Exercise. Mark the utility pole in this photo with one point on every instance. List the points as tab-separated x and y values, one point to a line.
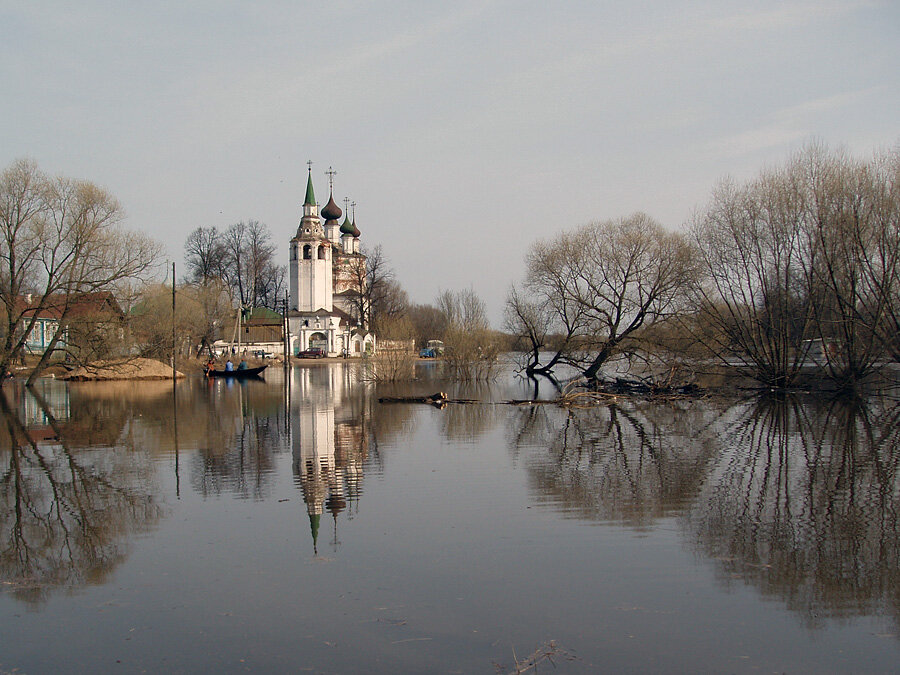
173	323
284	331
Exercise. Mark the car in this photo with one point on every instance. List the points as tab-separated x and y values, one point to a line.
312	353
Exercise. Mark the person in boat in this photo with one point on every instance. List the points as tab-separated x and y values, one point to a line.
242	365
229	366
211	364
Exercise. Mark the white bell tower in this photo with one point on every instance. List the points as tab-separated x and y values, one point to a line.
311	269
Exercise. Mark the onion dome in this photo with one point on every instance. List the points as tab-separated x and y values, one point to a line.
355	228
331	211
347	226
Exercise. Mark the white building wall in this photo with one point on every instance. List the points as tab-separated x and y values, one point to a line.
311	280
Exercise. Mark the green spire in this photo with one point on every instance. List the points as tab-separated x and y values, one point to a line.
310	195
314	528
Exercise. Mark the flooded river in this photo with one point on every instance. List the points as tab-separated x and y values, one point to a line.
296	524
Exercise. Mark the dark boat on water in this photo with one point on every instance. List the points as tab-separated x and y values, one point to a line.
242	373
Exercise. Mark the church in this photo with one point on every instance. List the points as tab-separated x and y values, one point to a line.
327	281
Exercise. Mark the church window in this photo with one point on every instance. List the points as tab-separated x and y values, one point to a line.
321	253
307	252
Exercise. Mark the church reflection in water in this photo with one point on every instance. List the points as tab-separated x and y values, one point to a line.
330	442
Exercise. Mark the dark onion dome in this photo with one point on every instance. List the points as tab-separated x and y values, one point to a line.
355	229
331	211
347	226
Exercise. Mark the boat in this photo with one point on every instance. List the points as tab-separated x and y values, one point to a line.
242	373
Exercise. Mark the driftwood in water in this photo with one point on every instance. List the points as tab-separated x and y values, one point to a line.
599	394
438	399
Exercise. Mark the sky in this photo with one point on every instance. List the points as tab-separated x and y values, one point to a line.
465	132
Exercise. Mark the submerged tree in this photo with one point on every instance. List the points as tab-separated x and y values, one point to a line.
598	287
471	348
802	264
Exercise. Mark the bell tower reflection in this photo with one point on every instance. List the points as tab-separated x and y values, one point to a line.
329	442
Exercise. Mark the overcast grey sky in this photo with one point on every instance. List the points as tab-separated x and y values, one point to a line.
463	130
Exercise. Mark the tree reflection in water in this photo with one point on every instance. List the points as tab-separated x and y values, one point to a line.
69	505
803	504
238	428
799	498
631	462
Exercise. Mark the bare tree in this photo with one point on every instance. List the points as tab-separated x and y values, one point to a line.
428	323
802	267
845	292
471	349
752	292
202	312
204	254
604	282
23	213
542	321
243	256
378	300
60	241
886	255
530	321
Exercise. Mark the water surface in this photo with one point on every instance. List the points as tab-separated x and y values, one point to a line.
296	524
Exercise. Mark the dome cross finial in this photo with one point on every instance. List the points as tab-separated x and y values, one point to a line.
310	200
331	173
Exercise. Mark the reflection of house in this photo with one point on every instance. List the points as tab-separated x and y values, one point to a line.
86	319
54	401
330	444
327	278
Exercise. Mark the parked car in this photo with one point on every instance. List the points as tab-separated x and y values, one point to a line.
427	353
312	353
